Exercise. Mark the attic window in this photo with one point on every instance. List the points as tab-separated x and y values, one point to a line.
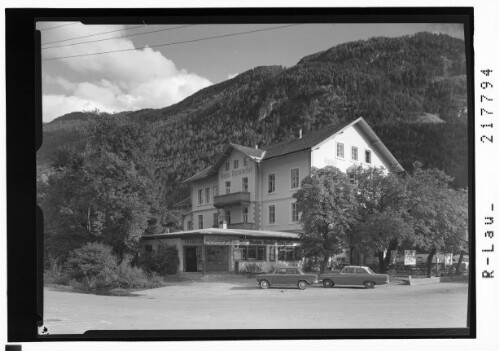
236	164
368	156
245	162
340	150
227	166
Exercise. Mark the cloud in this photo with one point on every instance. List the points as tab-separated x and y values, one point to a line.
111	82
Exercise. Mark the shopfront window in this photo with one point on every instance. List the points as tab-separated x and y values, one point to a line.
272	253
253	253
288	253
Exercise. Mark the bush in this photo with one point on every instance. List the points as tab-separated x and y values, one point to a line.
55	274
130	277
163	261
253	269
92	267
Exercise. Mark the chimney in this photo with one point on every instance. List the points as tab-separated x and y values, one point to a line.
300	134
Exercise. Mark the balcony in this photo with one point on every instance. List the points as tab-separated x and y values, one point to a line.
233	199
246	226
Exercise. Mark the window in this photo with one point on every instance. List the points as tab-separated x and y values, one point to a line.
215	220
348	270
368	156
295	178
245	184
236	164
353	177
227	166
288	253
294	212
200	221
189	225
360	271
281	271
272	253
271	214
271	185
215	191
245	215
200	196
251	252
227	217
340	150
261	253
292	271
227	187
355	153
245	161
207	195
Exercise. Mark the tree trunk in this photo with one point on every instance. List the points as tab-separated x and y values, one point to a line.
380	261
384	265
458	268
324	263
429	262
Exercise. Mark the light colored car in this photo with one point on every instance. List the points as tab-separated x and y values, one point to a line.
286	277
354	275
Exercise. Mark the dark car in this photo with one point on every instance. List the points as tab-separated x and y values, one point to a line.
354	275
290	276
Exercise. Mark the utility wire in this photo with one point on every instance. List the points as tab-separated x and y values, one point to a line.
174	43
91	35
62	25
123	36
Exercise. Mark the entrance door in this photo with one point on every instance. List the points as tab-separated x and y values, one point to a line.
191	260
217	258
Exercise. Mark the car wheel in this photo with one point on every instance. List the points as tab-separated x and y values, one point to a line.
302	284
264	284
369	285
328	283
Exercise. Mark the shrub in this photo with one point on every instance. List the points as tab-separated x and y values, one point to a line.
163	261
253	268
131	277
92	267
54	274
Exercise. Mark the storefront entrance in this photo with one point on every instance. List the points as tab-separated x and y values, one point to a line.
191	259
217	258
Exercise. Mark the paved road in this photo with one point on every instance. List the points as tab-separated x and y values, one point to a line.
241	304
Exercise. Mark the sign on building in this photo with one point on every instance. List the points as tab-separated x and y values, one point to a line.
410	257
220	240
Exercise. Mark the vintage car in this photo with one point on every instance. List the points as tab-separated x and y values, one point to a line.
289	276
354	275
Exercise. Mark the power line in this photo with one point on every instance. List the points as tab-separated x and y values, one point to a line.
123	36
62	25
174	43
91	35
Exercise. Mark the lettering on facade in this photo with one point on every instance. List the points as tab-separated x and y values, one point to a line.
236	172
220	240
192	241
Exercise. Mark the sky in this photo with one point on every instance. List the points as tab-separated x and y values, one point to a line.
146	73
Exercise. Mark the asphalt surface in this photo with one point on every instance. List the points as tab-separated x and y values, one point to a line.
240	304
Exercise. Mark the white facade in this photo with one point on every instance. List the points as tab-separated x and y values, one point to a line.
248	189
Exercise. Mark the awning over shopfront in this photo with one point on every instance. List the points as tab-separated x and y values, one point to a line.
227	232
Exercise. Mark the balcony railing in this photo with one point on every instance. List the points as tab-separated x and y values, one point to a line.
232	199
247	226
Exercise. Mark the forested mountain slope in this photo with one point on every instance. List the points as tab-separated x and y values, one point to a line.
411	90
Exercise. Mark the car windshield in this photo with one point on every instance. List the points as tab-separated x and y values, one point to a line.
370	270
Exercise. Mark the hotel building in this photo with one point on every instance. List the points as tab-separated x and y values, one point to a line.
241	209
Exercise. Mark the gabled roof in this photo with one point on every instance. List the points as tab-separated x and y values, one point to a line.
307	142
304	143
255	154
184	203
